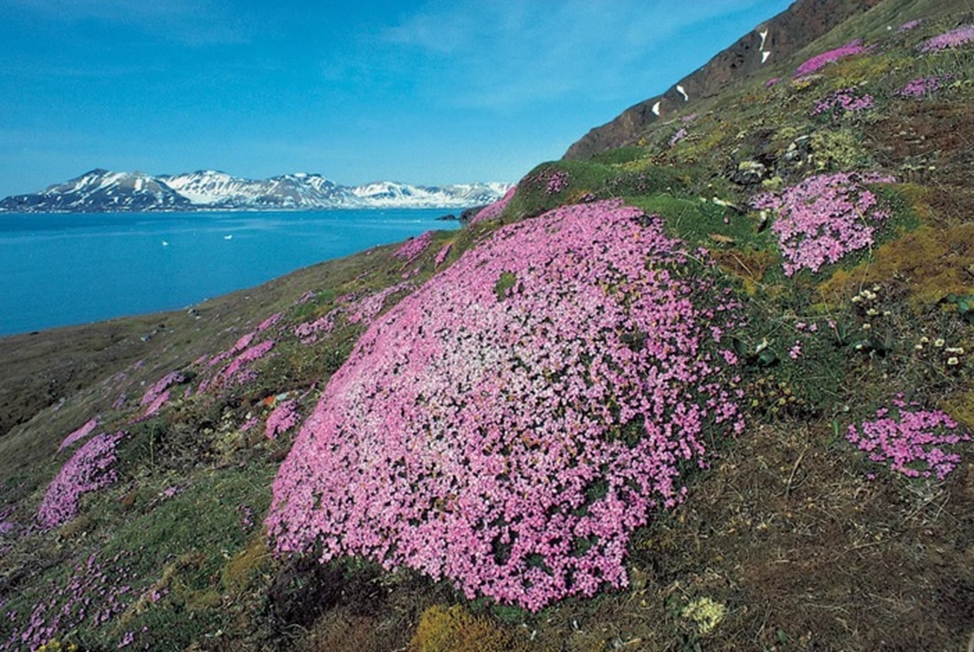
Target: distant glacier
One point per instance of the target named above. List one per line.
(103, 191)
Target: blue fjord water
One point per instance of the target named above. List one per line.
(57, 270)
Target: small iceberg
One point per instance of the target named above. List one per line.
(165, 244)
(228, 237)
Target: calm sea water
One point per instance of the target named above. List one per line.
(64, 269)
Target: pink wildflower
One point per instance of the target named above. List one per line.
(824, 218)
(922, 86)
(510, 424)
(284, 417)
(819, 61)
(844, 101)
(494, 210)
(412, 248)
(249, 424)
(557, 181)
(78, 434)
(795, 352)
(304, 298)
(152, 394)
(364, 310)
(952, 39)
(442, 254)
(910, 440)
(678, 136)
(89, 469)
(6, 527)
(240, 363)
(171, 491)
(153, 408)
(269, 322)
(309, 333)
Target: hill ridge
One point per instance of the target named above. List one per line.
(787, 33)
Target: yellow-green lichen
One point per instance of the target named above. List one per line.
(455, 629)
(837, 150)
(705, 614)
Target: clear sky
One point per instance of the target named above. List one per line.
(425, 92)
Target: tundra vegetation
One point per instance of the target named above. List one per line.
(708, 390)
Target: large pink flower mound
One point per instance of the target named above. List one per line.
(508, 425)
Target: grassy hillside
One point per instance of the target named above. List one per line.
(710, 390)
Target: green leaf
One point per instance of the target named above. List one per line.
(767, 357)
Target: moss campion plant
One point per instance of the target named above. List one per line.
(91, 468)
(846, 100)
(79, 434)
(509, 424)
(948, 40)
(284, 417)
(819, 61)
(824, 218)
(97, 592)
(923, 86)
(411, 249)
(910, 440)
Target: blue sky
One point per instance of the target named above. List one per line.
(421, 92)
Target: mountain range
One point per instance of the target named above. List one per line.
(103, 191)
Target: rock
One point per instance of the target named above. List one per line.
(749, 173)
(470, 213)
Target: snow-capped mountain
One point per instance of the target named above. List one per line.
(391, 194)
(104, 191)
(289, 191)
(101, 191)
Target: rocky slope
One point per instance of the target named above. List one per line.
(101, 191)
(710, 390)
(775, 40)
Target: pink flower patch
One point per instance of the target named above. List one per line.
(910, 440)
(847, 100)
(89, 469)
(161, 386)
(952, 39)
(923, 86)
(412, 248)
(824, 218)
(442, 254)
(508, 425)
(678, 136)
(284, 417)
(78, 434)
(819, 61)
